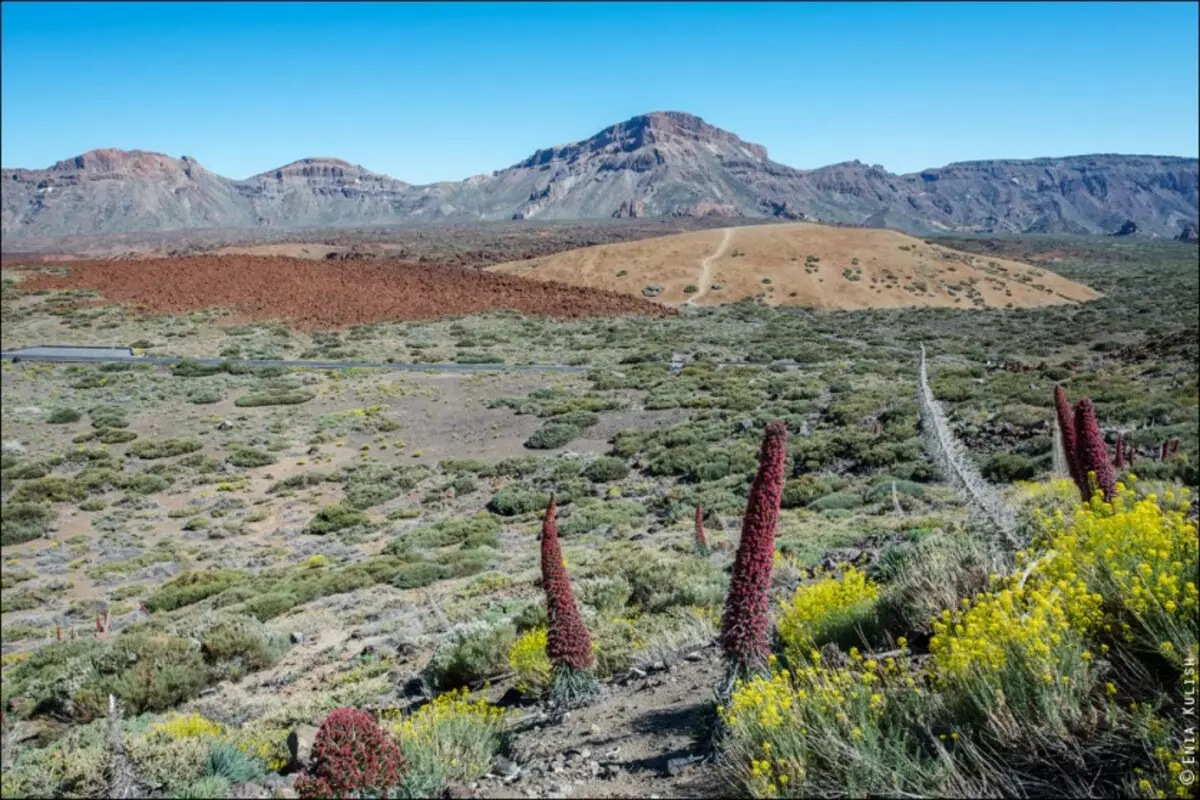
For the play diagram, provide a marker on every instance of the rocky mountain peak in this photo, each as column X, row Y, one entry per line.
column 124, row 162
column 325, row 169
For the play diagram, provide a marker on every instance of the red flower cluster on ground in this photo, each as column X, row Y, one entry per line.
column 568, row 643
column 351, row 756
column 1066, row 429
column 1091, row 454
column 745, row 625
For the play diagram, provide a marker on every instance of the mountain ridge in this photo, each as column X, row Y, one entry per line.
column 666, row 163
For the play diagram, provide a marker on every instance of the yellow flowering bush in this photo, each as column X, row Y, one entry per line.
column 268, row 744
column 1140, row 556
column 451, row 738
column 827, row 731
column 819, row 609
column 187, row 726
column 528, row 659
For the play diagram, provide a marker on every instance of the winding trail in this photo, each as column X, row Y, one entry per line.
column 705, row 280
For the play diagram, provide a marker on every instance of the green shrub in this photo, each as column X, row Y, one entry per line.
column 192, row 587
column 590, row 514
column 116, row 436
column 51, row 489
column 471, row 653
column 62, row 416
column 579, row 418
column 274, row 398
column 301, row 481
column 801, row 491
column 249, row 458
column 109, row 417
column 146, row 483
column 204, row 396
column 28, row 471
column 23, row 522
column 606, row 469
column 336, row 517
column 478, row 530
column 837, row 501
column 1009, row 467
column 418, row 574
column 163, row 448
column 551, row 435
column 512, row 501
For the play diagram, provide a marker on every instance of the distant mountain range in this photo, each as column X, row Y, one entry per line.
column 660, row 164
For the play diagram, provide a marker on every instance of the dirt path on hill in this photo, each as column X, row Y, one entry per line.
column 705, row 280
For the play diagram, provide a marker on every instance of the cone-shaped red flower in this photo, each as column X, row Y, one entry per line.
column 1066, row 429
column 744, row 624
column 1166, row 445
column 352, row 757
column 568, row 643
column 1091, row 456
column 1120, row 448
column 1175, row 447
column 1130, row 454
column 701, row 537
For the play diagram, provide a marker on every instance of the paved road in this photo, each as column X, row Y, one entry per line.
column 164, row 360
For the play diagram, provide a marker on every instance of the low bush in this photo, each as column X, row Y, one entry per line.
column 472, row 652
column 23, row 522
column 274, row 398
column 163, row 448
column 62, row 416
column 552, row 435
column 248, row 458
column 606, row 469
column 191, row 587
column 513, row 501
column 336, row 517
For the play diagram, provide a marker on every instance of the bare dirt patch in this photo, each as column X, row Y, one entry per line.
column 321, row 296
column 808, row 265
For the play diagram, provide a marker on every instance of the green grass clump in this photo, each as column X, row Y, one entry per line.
column 192, row 587
column 552, row 435
column 513, row 501
column 336, row 517
column 606, row 469
column 837, row 501
column 163, row 448
column 249, row 457
column 478, row 530
column 62, row 416
column 23, row 522
column 292, row 397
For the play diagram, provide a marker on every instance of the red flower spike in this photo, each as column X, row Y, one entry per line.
column 1175, row 447
column 1091, row 456
column 1162, row 456
column 351, row 756
column 568, row 643
column 1066, row 429
column 701, row 536
column 745, row 624
column 1120, row 448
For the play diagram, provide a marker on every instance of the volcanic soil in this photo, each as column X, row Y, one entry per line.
column 804, row 264
column 315, row 295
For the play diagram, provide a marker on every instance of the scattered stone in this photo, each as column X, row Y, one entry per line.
column 506, row 769
column 297, row 637
column 224, row 425
column 300, row 744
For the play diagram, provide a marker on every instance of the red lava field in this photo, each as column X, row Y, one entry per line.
column 317, row 295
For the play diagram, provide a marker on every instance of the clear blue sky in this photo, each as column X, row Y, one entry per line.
column 427, row 92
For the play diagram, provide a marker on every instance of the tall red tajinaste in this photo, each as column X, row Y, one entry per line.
column 1120, row 451
column 1066, row 429
column 1091, row 455
column 701, row 537
column 1166, row 445
column 1175, row 447
column 744, row 625
column 568, row 643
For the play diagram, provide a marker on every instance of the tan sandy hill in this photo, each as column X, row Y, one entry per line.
column 804, row 265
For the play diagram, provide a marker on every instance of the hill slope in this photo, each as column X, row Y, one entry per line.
column 659, row 164
column 803, row 264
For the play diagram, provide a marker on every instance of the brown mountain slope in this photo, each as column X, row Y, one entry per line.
column 804, row 265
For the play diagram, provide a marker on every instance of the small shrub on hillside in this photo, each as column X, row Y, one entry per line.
column 62, row 416
column 552, row 435
column 274, row 398
column 116, row 436
column 512, row 501
column 1009, row 467
column 471, row 653
column 452, row 739
column 23, row 522
column 248, row 458
column 827, row 610
column 580, row 419
column 50, row 489
column 163, row 448
column 837, row 500
column 336, row 517
column 606, row 469
column 109, row 417
column 192, row 587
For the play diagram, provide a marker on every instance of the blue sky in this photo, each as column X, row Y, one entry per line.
column 427, row 92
